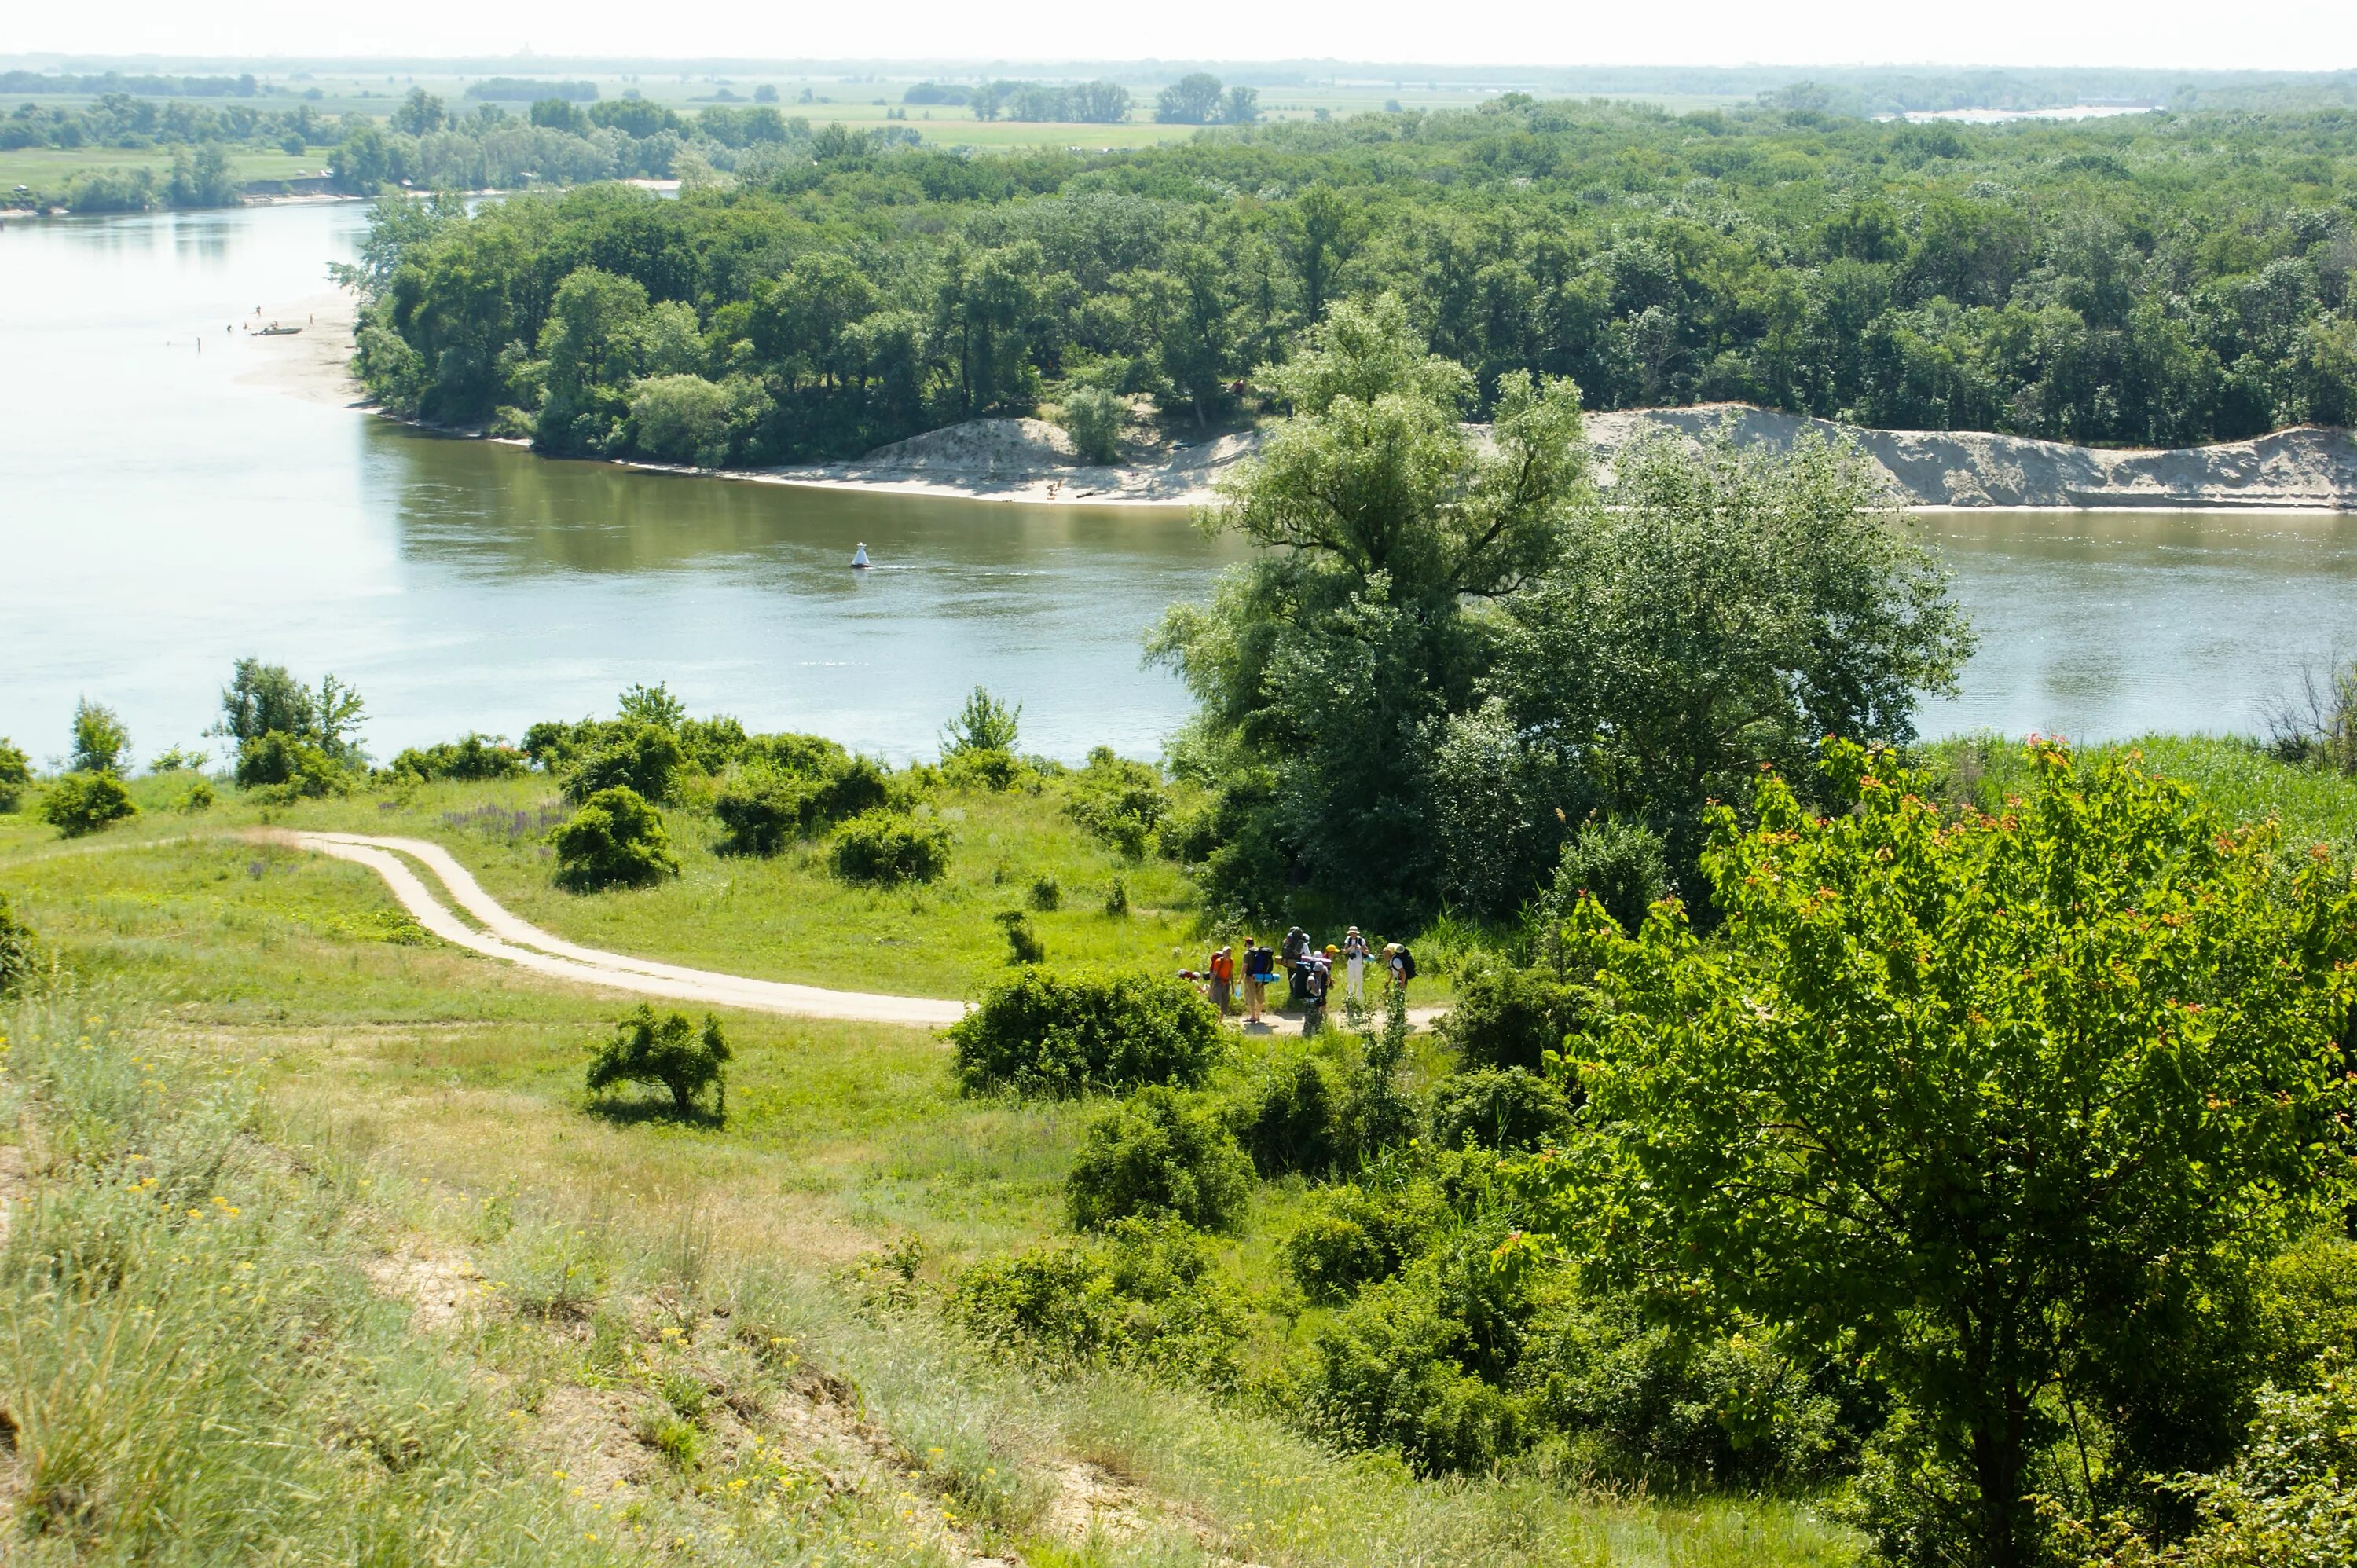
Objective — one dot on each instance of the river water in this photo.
(164, 510)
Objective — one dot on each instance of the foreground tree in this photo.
(669, 1051)
(2013, 1108)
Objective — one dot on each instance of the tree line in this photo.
(2164, 279)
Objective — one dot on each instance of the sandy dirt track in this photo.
(516, 941)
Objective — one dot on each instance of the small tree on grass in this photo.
(2014, 1107)
(669, 1051)
(101, 744)
(83, 803)
(615, 840)
(15, 775)
(1158, 1154)
(20, 952)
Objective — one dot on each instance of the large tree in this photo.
(2009, 1109)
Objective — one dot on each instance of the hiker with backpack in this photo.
(1224, 977)
(1401, 964)
(1259, 966)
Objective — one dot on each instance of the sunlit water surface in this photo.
(160, 514)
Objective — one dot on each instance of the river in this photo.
(164, 510)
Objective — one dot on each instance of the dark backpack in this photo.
(1408, 964)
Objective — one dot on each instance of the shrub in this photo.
(1498, 1107)
(21, 957)
(473, 758)
(1047, 893)
(631, 755)
(668, 1051)
(1385, 1373)
(1094, 418)
(1351, 1237)
(983, 768)
(197, 797)
(1620, 864)
(1023, 943)
(101, 744)
(1157, 1154)
(1116, 898)
(1509, 1017)
(83, 803)
(290, 765)
(16, 776)
(616, 838)
(985, 724)
(1293, 1120)
(1119, 802)
(1061, 1036)
(889, 847)
(764, 808)
(1145, 1296)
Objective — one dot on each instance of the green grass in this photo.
(49, 168)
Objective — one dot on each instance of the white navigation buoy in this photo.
(859, 562)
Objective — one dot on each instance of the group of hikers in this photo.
(1308, 971)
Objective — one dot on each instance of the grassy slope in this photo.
(456, 1086)
(48, 169)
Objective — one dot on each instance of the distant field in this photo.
(48, 169)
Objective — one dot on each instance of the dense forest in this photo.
(2157, 279)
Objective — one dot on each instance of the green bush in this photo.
(16, 776)
(631, 755)
(888, 848)
(668, 1051)
(1385, 1373)
(1621, 864)
(101, 744)
(83, 803)
(985, 724)
(291, 766)
(767, 805)
(197, 797)
(1292, 1120)
(21, 957)
(989, 768)
(1047, 893)
(615, 840)
(1095, 419)
(1350, 1238)
(1119, 802)
(1145, 1296)
(1509, 1017)
(472, 758)
(1498, 1107)
(1061, 1036)
(682, 419)
(1155, 1155)
(1023, 943)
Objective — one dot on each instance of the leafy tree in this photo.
(653, 705)
(616, 838)
(985, 724)
(682, 419)
(1192, 99)
(1498, 1107)
(419, 114)
(83, 803)
(101, 744)
(1157, 1154)
(1241, 106)
(264, 699)
(476, 756)
(15, 775)
(2016, 1107)
(669, 1051)
(290, 765)
(1094, 418)
(629, 753)
(1620, 865)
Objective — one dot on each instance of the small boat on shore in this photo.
(274, 330)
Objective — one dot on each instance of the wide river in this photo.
(164, 510)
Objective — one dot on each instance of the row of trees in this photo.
(2171, 282)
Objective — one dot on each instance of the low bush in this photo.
(197, 798)
(1095, 419)
(1023, 943)
(472, 758)
(631, 755)
(1291, 1121)
(889, 847)
(1350, 1238)
(986, 768)
(83, 803)
(1061, 1036)
(16, 776)
(790, 792)
(615, 840)
(1158, 1154)
(1620, 864)
(1047, 893)
(291, 766)
(21, 956)
(1120, 802)
(1145, 1296)
(1385, 1373)
(668, 1051)
(1498, 1107)
(1509, 1017)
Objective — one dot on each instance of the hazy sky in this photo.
(2310, 35)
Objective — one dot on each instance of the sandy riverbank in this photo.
(1029, 461)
